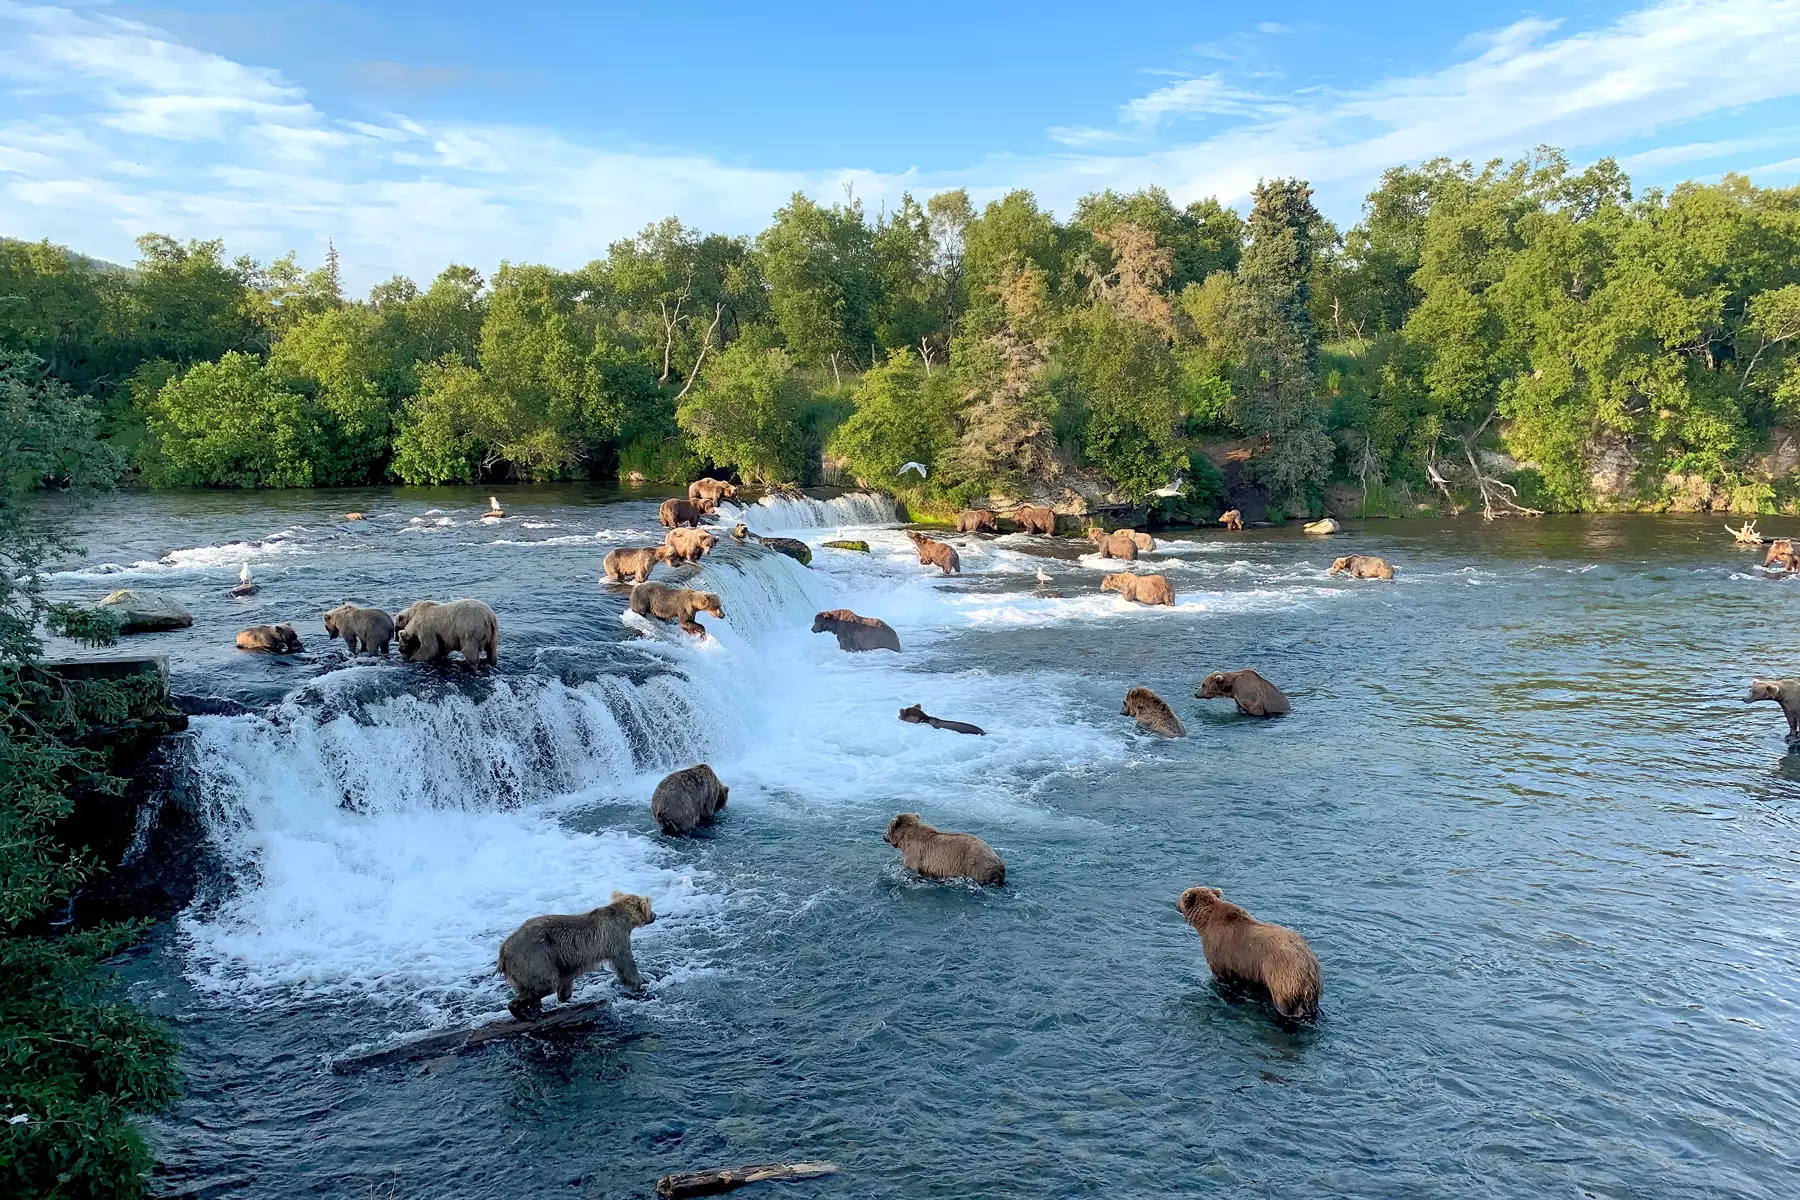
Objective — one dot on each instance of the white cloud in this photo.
(109, 128)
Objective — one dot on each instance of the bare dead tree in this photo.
(705, 345)
(925, 352)
(1497, 496)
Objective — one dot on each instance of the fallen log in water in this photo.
(454, 1041)
(711, 1183)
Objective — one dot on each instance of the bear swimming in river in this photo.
(548, 954)
(857, 633)
(1255, 695)
(635, 561)
(270, 639)
(364, 630)
(939, 855)
(1243, 950)
(714, 490)
(1141, 589)
(1152, 712)
(430, 632)
(662, 602)
(1362, 566)
(976, 520)
(687, 799)
(915, 715)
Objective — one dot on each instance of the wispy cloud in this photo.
(109, 128)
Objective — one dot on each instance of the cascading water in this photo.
(792, 514)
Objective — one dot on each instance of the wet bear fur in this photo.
(687, 799)
(661, 602)
(688, 545)
(1150, 711)
(857, 633)
(915, 715)
(1255, 695)
(713, 490)
(1035, 518)
(635, 561)
(1145, 543)
(1141, 589)
(976, 520)
(939, 855)
(433, 631)
(270, 639)
(548, 954)
(934, 553)
(1362, 566)
(1243, 950)
(676, 512)
(364, 630)
(1781, 554)
(1114, 545)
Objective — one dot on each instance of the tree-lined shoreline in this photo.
(1509, 337)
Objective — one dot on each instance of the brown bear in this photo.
(857, 633)
(1255, 695)
(548, 954)
(1145, 543)
(1362, 566)
(431, 631)
(1152, 713)
(1035, 518)
(688, 545)
(1232, 520)
(270, 639)
(976, 520)
(1785, 692)
(714, 490)
(687, 799)
(1243, 950)
(662, 602)
(932, 552)
(634, 561)
(364, 630)
(682, 512)
(918, 716)
(939, 855)
(1114, 545)
(1781, 554)
(1142, 589)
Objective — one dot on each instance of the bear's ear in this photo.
(618, 896)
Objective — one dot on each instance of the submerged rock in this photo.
(146, 612)
(860, 547)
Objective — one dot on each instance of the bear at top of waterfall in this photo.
(1362, 566)
(675, 512)
(548, 954)
(364, 630)
(635, 561)
(270, 639)
(932, 552)
(687, 799)
(1152, 712)
(1035, 518)
(664, 602)
(430, 632)
(1243, 950)
(976, 520)
(937, 854)
(1255, 696)
(1786, 693)
(689, 545)
(714, 490)
(1114, 545)
(1140, 589)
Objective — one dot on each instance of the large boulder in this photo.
(795, 549)
(146, 612)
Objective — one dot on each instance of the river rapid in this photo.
(1545, 854)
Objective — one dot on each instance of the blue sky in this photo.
(413, 134)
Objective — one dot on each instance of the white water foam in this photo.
(785, 514)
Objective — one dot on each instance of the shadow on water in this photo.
(1544, 852)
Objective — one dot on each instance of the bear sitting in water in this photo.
(1781, 555)
(1362, 566)
(1243, 950)
(687, 799)
(857, 633)
(661, 602)
(1140, 589)
(270, 639)
(1255, 696)
(939, 855)
(1152, 712)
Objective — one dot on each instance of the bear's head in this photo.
(740, 531)
(1217, 684)
(705, 505)
(897, 827)
(828, 622)
(1342, 564)
(1763, 689)
(290, 637)
(1137, 700)
(1197, 903)
(917, 538)
(637, 908)
(331, 622)
(709, 603)
(1114, 582)
(915, 714)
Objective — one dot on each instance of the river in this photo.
(1545, 854)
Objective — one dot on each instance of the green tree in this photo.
(232, 423)
(823, 283)
(903, 413)
(746, 412)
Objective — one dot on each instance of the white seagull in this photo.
(494, 508)
(246, 585)
(912, 466)
(1172, 488)
(1043, 576)
(244, 573)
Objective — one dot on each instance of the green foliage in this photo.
(822, 271)
(746, 414)
(1121, 376)
(901, 414)
(232, 423)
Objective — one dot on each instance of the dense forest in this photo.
(1509, 337)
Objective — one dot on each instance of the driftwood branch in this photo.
(711, 1183)
(705, 345)
(454, 1041)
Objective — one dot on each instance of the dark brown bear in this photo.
(548, 954)
(934, 553)
(918, 716)
(688, 799)
(1243, 950)
(714, 490)
(1035, 518)
(683, 512)
(976, 520)
(939, 855)
(661, 602)
(857, 633)
(1255, 695)
(1152, 712)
